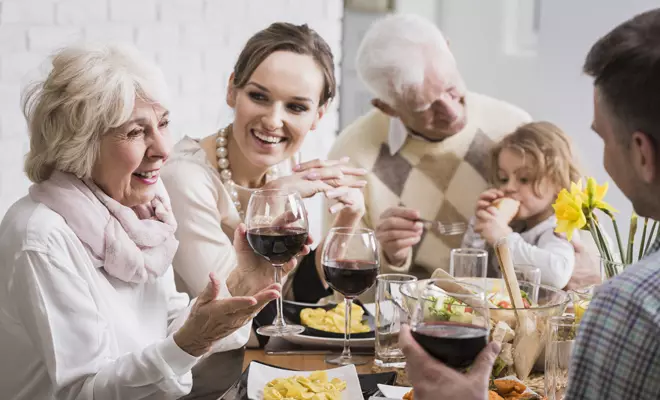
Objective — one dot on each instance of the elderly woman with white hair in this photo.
(88, 305)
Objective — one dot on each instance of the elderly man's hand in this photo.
(253, 273)
(212, 319)
(433, 380)
(398, 230)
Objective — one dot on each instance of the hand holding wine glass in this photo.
(253, 272)
(451, 326)
(350, 264)
(277, 230)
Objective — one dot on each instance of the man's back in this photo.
(617, 351)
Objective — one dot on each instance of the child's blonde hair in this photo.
(550, 150)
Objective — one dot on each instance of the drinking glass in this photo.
(277, 230)
(451, 321)
(350, 264)
(558, 349)
(469, 263)
(389, 314)
(531, 274)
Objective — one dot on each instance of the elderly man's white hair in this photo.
(395, 53)
(90, 90)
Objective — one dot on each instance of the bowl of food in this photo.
(541, 303)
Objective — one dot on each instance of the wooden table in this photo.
(303, 362)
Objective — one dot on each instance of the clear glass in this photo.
(390, 312)
(469, 263)
(558, 350)
(277, 227)
(609, 269)
(350, 264)
(529, 274)
(451, 321)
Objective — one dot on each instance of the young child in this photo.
(531, 166)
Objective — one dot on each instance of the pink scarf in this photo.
(129, 247)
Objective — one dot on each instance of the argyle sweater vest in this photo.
(442, 180)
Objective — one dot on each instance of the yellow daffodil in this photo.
(594, 194)
(569, 213)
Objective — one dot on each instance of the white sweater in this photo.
(70, 331)
(539, 246)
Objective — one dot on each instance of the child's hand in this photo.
(487, 198)
(491, 226)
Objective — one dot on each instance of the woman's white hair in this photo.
(395, 53)
(90, 90)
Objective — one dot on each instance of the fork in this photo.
(439, 228)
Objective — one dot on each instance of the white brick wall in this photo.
(196, 42)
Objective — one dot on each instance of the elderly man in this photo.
(618, 344)
(425, 144)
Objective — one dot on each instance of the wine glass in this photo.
(451, 321)
(350, 264)
(277, 230)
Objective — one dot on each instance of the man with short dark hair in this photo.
(617, 351)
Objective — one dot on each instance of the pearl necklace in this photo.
(222, 155)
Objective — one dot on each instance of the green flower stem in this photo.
(595, 236)
(618, 235)
(641, 246)
(631, 239)
(651, 236)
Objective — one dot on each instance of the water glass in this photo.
(531, 274)
(469, 263)
(389, 315)
(561, 337)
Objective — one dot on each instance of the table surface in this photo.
(302, 362)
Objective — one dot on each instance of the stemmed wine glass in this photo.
(277, 230)
(451, 321)
(350, 264)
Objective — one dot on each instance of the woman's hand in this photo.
(348, 205)
(253, 273)
(317, 176)
(491, 225)
(212, 319)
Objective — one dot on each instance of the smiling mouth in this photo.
(268, 139)
(146, 175)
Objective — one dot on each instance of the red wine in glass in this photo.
(350, 277)
(277, 244)
(455, 344)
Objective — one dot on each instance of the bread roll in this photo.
(508, 208)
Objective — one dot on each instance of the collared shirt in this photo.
(617, 351)
(70, 331)
(398, 133)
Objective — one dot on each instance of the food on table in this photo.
(494, 395)
(508, 207)
(316, 387)
(509, 389)
(334, 320)
(409, 396)
(502, 300)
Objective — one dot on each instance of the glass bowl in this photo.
(547, 302)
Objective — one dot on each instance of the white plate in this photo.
(393, 392)
(314, 341)
(260, 375)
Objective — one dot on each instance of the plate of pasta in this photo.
(272, 383)
(262, 381)
(328, 320)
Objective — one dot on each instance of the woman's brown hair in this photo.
(550, 150)
(283, 36)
